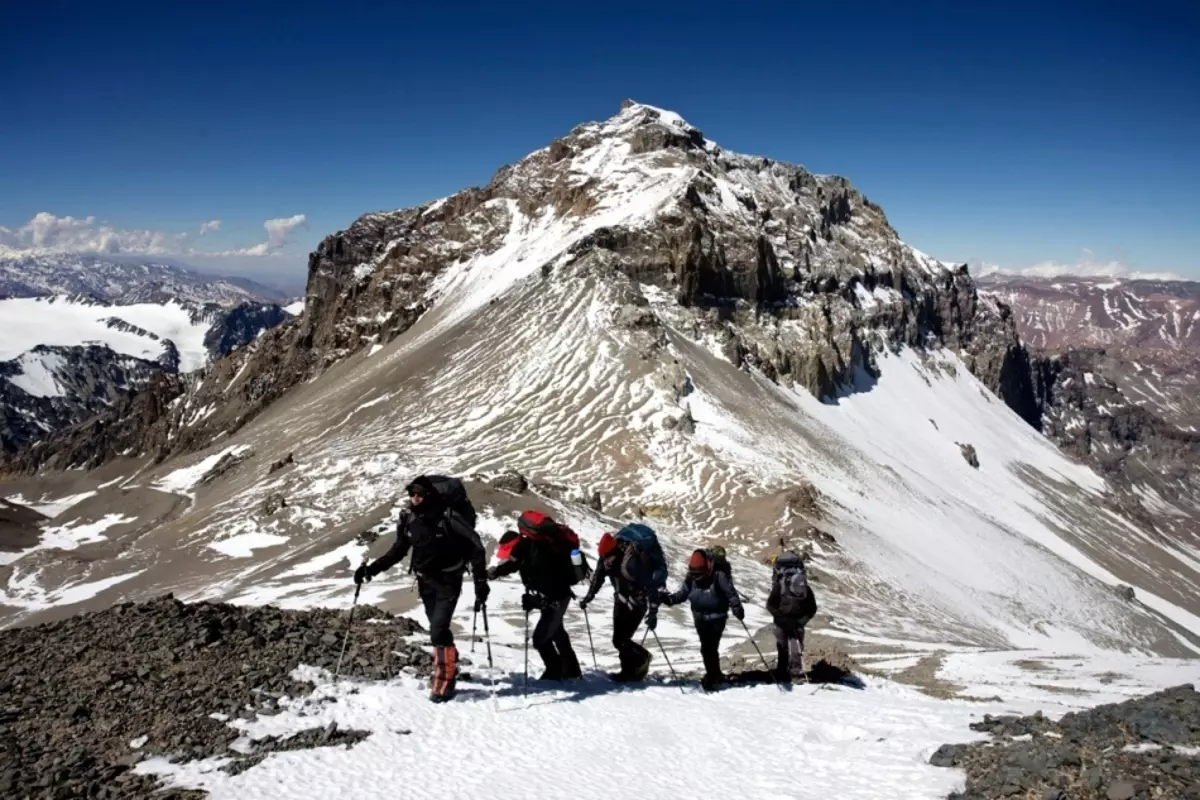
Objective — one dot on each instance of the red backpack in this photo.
(555, 543)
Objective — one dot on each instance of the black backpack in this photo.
(454, 495)
(460, 513)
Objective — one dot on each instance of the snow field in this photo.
(59, 321)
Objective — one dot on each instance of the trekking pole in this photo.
(663, 650)
(487, 637)
(525, 683)
(591, 644)
(349, 628)
(750, 636)
(473, 618)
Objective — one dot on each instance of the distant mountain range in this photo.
(81, 331)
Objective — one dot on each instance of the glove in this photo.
(530, 602)
(583, 604)
(363, 573)
(740, 613)
(652, 620)
(481, 595)
(491, 573)
(664, 598)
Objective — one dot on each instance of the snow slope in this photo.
(872, 742)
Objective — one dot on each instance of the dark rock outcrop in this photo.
(1126, 750)
(75, 693)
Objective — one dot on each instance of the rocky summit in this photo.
(793, 274)
(84, 700)
(1136, 750)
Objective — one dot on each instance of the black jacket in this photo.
(625, 580)
(544, 569)
(711, 596)
(441, 542)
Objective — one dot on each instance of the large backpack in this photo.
(653, 566)
(795, 596)
(458, 510)
(554, 547)
(454, 495)
(716, 557)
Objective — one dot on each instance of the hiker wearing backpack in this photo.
(542, 551)
(633, 561)
(439, 530)
(792, 604)
(710, 591)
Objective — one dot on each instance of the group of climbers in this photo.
(439, 530)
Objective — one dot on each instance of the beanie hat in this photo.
(698, 562)
(607, 545)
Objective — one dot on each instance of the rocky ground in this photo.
(83, 700)
(1140, 749)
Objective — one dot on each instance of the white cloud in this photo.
(47, 232)
(279, 233)
(278, 230)
(1086, 267)
(82, 235)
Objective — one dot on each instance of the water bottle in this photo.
(577, 563)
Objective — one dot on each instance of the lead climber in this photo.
(439, 529)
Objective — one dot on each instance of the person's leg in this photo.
(549, 623)
(562, 644)
(634, 657)
(796, 652)
(445, 591)
(710, 632)
(782, 658)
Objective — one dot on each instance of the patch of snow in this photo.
(51, 508)
(25, 591)
(69, 537)
(244, 545)
(183, 480)
(295, 309)
(37, 376)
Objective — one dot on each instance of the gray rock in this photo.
(1121, 790)
(969, 455)
(511, 481)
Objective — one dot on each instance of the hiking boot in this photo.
(640, 672)
(553, 673)
(712, 681)
(570, 665)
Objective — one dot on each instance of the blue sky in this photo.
(1008, 133)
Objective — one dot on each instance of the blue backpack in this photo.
(653, 563)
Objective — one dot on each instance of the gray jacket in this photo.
(711, 597)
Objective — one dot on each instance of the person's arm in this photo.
(773, 601)
(509, 565)
(398, 550)
(725, 582)
(679, 595)
(598, 576)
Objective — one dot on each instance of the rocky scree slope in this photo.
(84, 699)
(795, 274)
(1139, 749)
(1117, 373)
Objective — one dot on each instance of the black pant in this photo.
(710, 631)
(626, 620)
(553, 644)
(439, 594)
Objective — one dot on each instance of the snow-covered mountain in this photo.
(728, 347)
(122, 280)
(67, 357)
